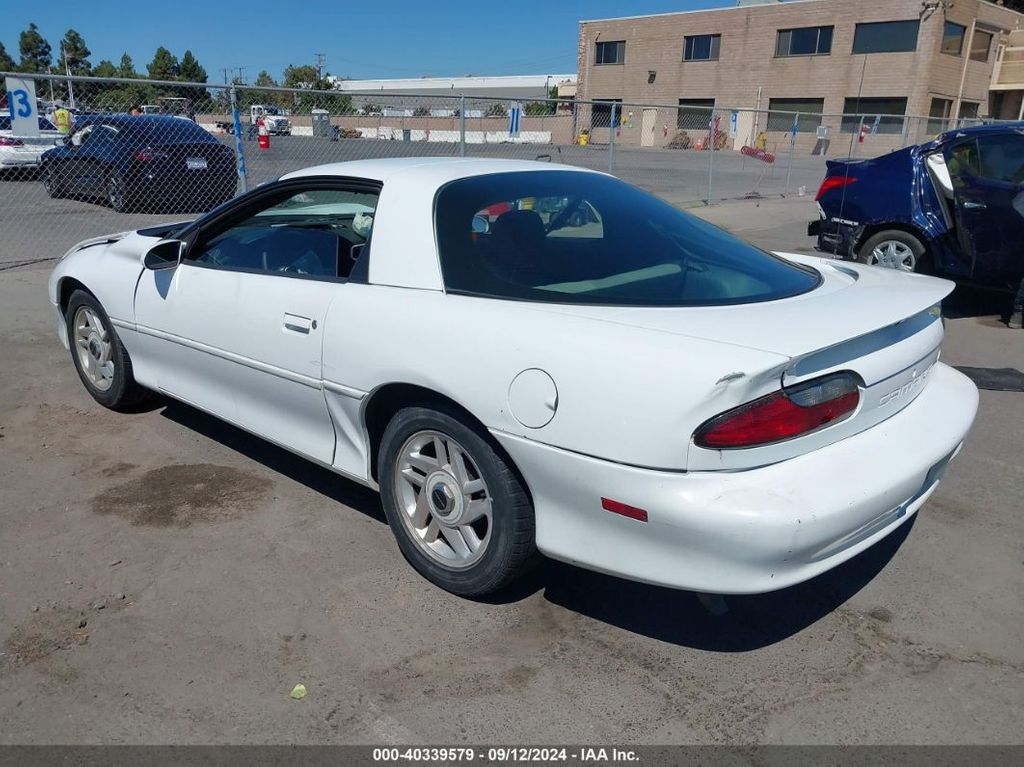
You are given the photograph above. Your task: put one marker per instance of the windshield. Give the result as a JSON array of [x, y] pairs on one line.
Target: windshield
[[581, 238]]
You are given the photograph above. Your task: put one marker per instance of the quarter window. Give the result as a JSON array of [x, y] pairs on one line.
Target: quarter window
[[613, 52], [886, 37], [318, 233], [805, 41], [701, 47]]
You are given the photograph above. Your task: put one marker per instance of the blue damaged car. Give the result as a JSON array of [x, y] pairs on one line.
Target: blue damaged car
[[953, 206]]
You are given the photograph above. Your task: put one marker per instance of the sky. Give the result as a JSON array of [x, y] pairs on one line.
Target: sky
[[361, 38]]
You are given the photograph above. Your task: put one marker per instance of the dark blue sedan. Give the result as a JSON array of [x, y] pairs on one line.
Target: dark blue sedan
[[953, 206], [134, 162]]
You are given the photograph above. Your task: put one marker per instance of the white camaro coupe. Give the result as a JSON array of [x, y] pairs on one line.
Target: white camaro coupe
[[525, 357]]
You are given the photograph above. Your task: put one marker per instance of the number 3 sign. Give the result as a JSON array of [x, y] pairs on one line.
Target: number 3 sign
[[21, 99]]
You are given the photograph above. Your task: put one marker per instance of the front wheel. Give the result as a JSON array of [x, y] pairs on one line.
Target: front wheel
[[459, 511], [51, 182], [100, 358], [894, 249]]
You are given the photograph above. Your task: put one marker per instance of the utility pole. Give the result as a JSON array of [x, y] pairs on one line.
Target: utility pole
[[225, 70], [321, 62], [241, 74]]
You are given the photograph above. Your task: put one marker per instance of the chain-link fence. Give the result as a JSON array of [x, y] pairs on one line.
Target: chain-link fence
[[96, 167]]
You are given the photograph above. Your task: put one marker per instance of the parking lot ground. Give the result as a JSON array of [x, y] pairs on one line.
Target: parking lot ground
[[167, 578]]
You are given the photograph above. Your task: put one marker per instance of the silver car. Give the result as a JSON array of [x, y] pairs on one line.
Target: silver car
[[24, 152]]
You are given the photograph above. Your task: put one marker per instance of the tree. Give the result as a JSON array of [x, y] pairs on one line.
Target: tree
[[74, 55], [164, 65], [105, 68], [6, 62], [127, 67], [303, 76], [35, 51], [192, 71], [496, 110]]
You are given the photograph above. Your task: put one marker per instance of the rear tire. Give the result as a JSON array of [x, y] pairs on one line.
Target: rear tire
[[894, 249], [100, 358], [458, 509], [118, 196]]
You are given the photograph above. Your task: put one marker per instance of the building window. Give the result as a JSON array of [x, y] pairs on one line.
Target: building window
[[981, 45], [601, 114], [939, 114], [782, 113], [613, 52], [886, 37], [701, 47], [806, 41], [881, 115], [953, 38], [969, 110], [694, 114]]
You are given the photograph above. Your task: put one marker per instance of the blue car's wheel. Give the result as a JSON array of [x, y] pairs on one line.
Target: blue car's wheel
[[894, 249]]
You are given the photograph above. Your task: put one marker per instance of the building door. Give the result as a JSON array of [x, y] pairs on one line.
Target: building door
[[648, 123]]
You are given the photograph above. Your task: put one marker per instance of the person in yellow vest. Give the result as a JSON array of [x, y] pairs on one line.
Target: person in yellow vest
[[62, 119]]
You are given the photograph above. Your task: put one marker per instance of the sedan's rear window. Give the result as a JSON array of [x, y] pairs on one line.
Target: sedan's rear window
[[581, 238]]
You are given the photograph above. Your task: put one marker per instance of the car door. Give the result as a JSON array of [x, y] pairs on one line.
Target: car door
[[73, 160], [988, 181], [236, 326]]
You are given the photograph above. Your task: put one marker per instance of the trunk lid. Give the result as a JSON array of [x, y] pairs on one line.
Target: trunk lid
[[878, 323]]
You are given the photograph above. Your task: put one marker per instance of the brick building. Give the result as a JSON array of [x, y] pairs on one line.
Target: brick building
[[882, 58]]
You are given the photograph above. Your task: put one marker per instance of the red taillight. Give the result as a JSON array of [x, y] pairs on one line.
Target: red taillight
[[783, 414], [6, 141], [833, 182], [149, 153], [618, 507]]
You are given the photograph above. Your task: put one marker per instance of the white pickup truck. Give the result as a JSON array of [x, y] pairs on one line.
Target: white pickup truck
[[277, 124]]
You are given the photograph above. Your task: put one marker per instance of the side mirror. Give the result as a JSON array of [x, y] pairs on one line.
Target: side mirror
[[164, 255], [60, 141]]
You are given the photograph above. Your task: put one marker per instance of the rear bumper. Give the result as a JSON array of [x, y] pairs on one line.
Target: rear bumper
[[834, 237], [748, 532]]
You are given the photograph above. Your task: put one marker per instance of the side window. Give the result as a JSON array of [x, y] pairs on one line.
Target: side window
[[1001, 157], [318, 233]]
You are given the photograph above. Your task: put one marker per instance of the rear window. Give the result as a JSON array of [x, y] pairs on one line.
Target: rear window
[[169, 130], [581, 238]]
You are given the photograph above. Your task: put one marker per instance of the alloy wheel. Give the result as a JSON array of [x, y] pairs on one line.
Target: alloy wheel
[[94, 348], [444, 501]]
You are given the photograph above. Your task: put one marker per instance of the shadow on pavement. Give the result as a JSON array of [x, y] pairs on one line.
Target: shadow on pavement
[[752, 622], [669, 615], [305, 472]]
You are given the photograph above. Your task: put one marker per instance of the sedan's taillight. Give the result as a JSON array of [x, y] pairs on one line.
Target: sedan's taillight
[[7, 141], [784, 414], [833, 182], [149, 153]]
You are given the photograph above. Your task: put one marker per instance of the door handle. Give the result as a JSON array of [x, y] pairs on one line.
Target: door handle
[[972, 205], [298, 324]]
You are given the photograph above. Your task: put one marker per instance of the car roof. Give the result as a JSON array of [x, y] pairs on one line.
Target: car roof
[[118, 119], [429, 171], [975, 130]]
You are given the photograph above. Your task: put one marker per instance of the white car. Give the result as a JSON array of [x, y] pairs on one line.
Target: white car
[[24, 152], [645, 395]]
